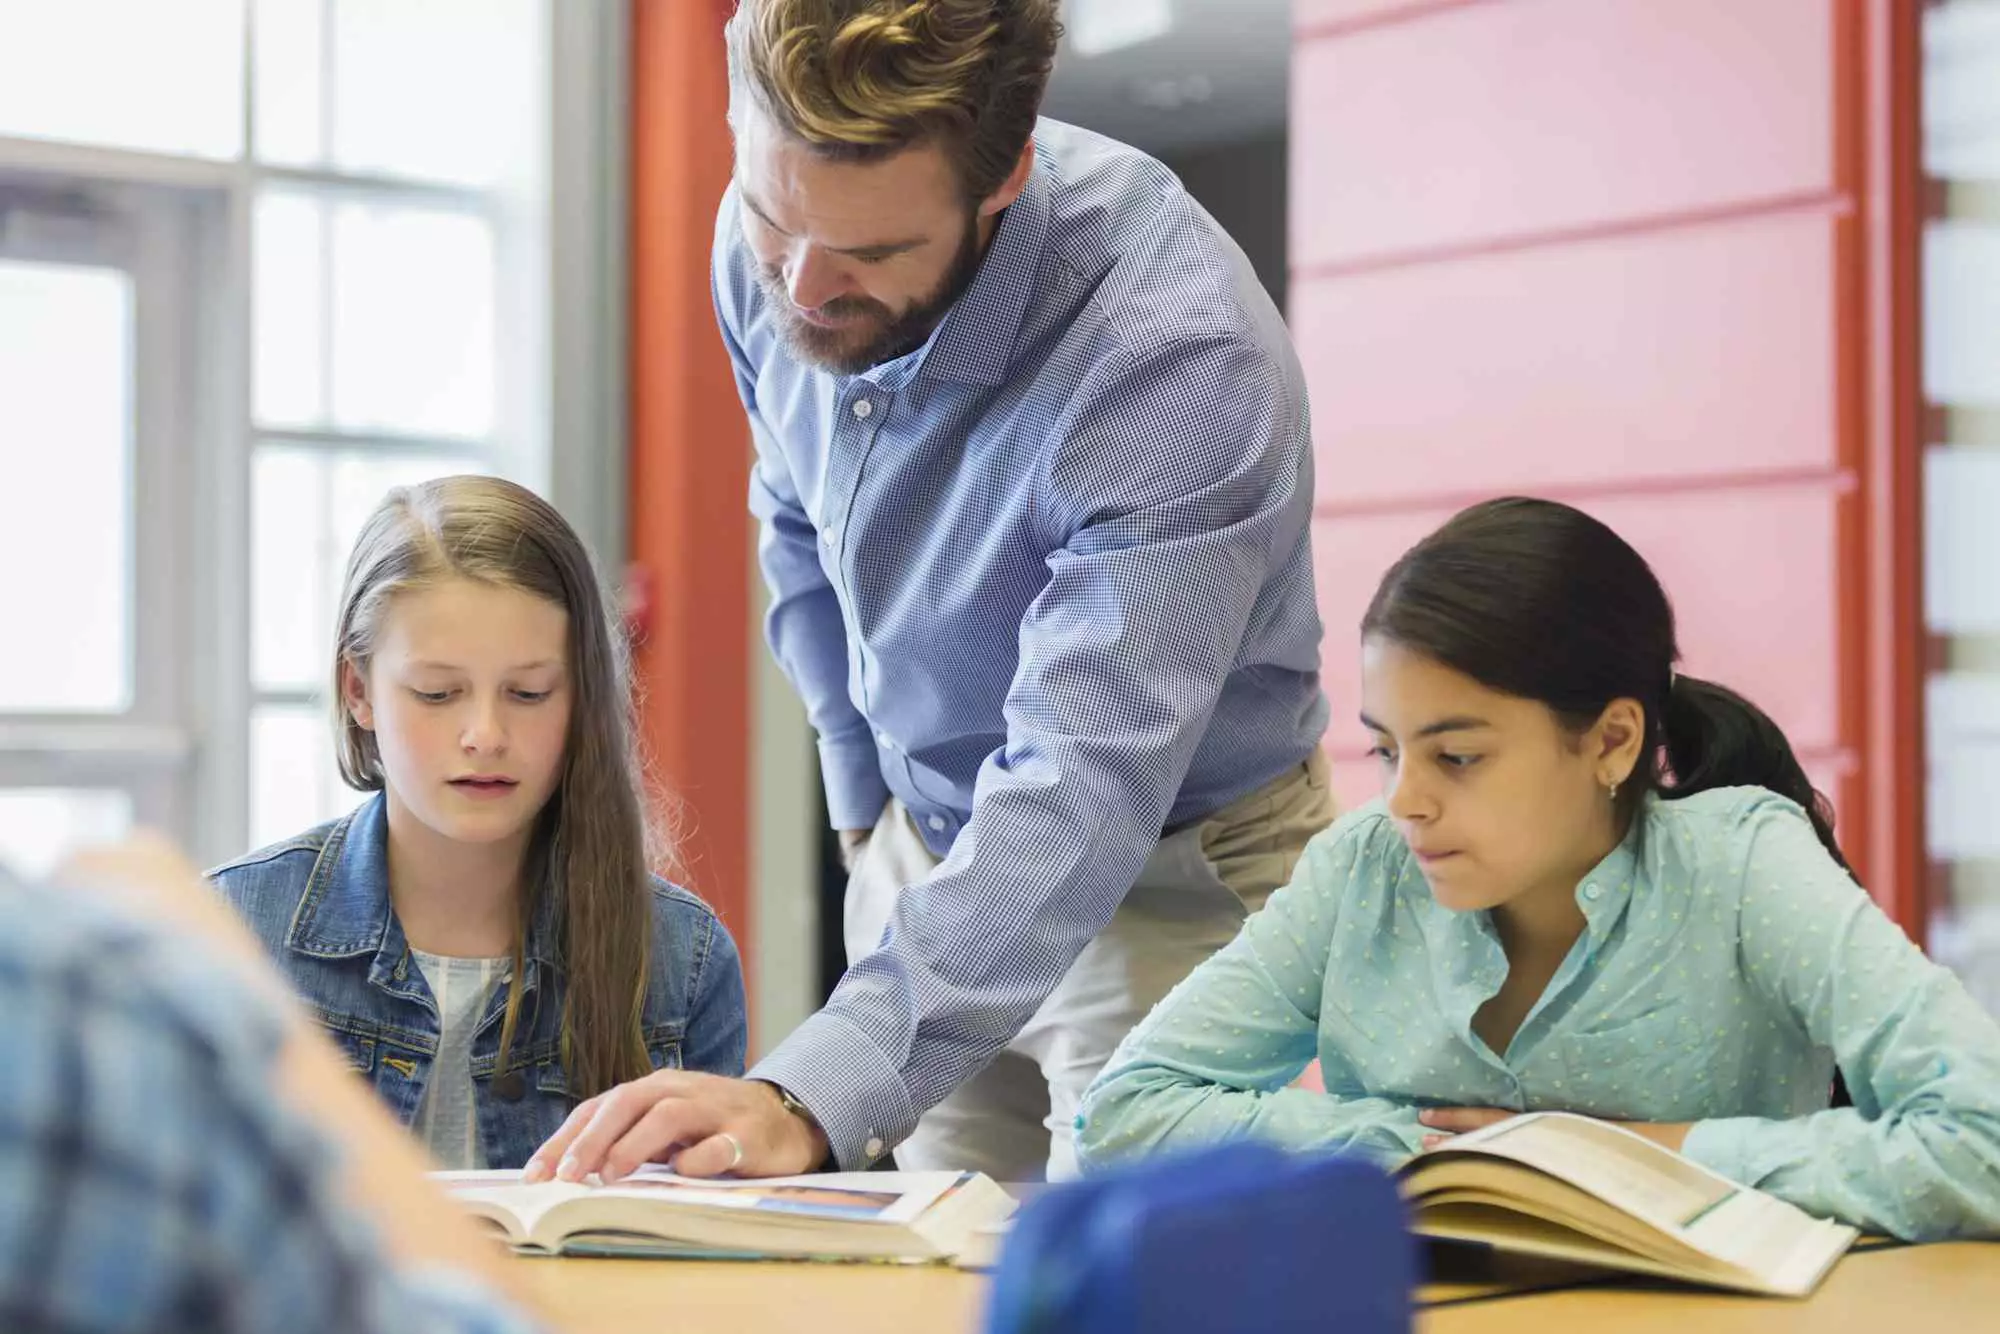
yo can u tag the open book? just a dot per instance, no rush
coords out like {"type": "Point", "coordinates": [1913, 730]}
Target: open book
{"type": "Point", "coordinates": [1570, 1188]}
{"type": "Point", "coordinates": [901, 1216]}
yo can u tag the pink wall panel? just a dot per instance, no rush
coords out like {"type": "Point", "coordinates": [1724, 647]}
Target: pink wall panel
{"type": "Point", "coordinates": [1509, 119]}
{"type": "Point", "coordinates": [1751, 572]}
{"type": "Point", "coordinates": [1704, 351]}
{"type": "Point", "coordinates": [1613, 251]}
{"type": "Point", "coordinates": [1311, 15]}
{"type": "Point", "coordinates": [1350, 556]}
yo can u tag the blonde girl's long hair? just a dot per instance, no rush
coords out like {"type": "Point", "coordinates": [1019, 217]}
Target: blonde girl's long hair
{"type": "Point", "coordinates": [588, 849]}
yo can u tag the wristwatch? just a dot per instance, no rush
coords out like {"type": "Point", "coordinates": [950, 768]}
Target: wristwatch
{"type": "Point", "coordinates": [792, 1104]}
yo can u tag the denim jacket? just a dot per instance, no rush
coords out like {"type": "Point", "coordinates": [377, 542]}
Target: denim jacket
{"type": "Point", "coordinates": [320, 903]}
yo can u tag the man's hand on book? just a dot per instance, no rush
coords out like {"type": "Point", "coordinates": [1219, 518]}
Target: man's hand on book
{"type": "Point", "coordinates": [704, 1125]}
{"type": "Point", "coordinates": [1444, 1122]}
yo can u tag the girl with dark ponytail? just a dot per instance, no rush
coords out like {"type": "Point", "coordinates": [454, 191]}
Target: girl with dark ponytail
{"type": "Point", "coordinates": [1591, 885]}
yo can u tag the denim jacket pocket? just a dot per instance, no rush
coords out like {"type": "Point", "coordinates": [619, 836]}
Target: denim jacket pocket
{"type": "Point", "coordinates": [663, 1046]}
{"type": "Point", "coordinates": [358, 1052]}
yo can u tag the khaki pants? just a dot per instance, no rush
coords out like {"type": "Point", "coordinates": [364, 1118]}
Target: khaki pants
{"type": "Point", "coordinates": [1014, 1120]}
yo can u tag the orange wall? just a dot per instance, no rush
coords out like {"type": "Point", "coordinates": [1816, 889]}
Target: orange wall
{"type": "Point", "coordinates": [690, 453]}
{"type": "Point", "coordinates": [1640, 257]}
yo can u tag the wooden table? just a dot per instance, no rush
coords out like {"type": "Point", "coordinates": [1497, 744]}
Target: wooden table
{"type": "Point", "coordinates": [703, 1297]}
{"type": "Point", "coordinates": [1899, 1290]}
{"type": "Point", "coordinates": [1886, 1291]}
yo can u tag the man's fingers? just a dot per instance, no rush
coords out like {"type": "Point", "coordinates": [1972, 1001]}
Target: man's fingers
{"type": "Point", "coordinates": [618, 1111]}
{"type": "Point", "coordinates": [683, 1117]}
{"type": "Point", "coordinates": [542, 1166]}
{"type": "Point", "coordinates": [670, 1123]}
{"type": "Point", "coordinates": [712, 1157]}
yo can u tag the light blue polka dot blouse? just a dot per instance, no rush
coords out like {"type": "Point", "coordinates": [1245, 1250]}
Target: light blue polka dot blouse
{"type": "Point", "coordinates": [1728, 962]}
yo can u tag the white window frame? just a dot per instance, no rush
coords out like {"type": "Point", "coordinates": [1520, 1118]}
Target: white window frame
{"type": "Point", "coordinates": [183, 750]}
{"type": "Point", "coordinates": [150, 231]}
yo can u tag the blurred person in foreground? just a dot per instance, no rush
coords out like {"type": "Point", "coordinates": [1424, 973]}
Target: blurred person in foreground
{"type": "Point", "coordinates": [181, 1150]}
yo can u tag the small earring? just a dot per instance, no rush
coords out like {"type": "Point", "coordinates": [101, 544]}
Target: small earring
{"type": "Point", "coordinates": [1613, 788]}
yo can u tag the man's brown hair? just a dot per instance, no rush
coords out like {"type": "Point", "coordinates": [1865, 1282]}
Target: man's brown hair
{"type": "Point", "coordinates": [861, 80]}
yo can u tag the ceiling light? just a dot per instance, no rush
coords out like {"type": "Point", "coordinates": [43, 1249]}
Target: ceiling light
{"type": "Point", "coordinates": [1100, 26]}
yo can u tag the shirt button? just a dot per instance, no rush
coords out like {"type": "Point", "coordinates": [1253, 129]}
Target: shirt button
{"type": "Point", "coordinates": [936, 822]}
{"type": "Point", "coordinates": [510, 1086]}
{"type": "Point", "coordinates": [1593, 893]}
{"type": "Point", "coordinates": [862, 408]}
{"type": "Point", "coordinates": [887, 742]}
{"type": "Point", "coordinates": [832, 536]}
{"type": "Point", "coordinates": [873, 1148]}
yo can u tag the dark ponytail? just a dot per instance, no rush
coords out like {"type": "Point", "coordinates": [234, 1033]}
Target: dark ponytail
{"type": "Point", "coordinates": [1716, 738]}
{"type": "Point", "coordinates": [1540, 601]}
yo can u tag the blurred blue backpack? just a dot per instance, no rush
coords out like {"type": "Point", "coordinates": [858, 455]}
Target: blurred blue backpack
{"type": "Point", "coordinates": [1239, 1237]}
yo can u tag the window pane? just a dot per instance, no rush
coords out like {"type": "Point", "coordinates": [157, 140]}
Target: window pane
{"type": "Point", "coordinates": [65, 516]}
{"type": "Point", "coordinates": [290, 541]}
{"type": "Point", "coordinates": [294, 783]}
{"type": "Point", "coordinates": [164, 76]}
{"type": "Point", "coordinates": [442, 90]}
{"type": "Point", "coordinates": [1962, 311]}
{"type": "Point", "coordinates": [1961, 94]}
{"type": "Point", "coordinates": [1961, 541]}
{"type": "Point", "coordinates": [39, 826]}
{"type": "Point", "coordinates": [413, 321]}
{"type": "Point", "coordinates": [290, 126]}
{"type": "Point", "coordinates": [446, 89]}
{"type": "Point", "coordinates": [308, 506]}
{"type": "Point", "coordinates": [409, 344]}
{"type": "Point", "coordinates": [1961, 328]}
{"type": "Point", "coordinates": [289, 296]}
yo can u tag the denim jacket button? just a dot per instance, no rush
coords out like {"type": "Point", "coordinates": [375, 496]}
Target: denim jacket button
{"type": "Point", "coordinates": [510, 1086]}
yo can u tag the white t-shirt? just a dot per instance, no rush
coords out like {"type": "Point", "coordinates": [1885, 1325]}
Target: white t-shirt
{"type": "Point", "coordinates": [445, 1119]}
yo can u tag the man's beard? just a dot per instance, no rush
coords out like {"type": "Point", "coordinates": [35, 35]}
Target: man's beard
{"type": "Point", "coordinates": [894, 335]}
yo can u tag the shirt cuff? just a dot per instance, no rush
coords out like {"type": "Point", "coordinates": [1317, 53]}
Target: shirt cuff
{"type": "Point", "coordinates": [855, 792]}
{"type": "Point", "coordinates": [853, 1090]}
{"type": "Point", "coordinates": [1724, 1146]}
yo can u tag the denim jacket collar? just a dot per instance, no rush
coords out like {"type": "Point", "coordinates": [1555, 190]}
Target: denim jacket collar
{"type": "Point", "coordinates": [345, 910]}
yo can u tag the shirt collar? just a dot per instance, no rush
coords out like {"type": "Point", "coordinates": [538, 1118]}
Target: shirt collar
{"type": "Point", "coordinates": [974, 342]}
{"type": "Point", "coordinates": [345, 911]}
{"type": "Point", "coordinates": [1604, 893]}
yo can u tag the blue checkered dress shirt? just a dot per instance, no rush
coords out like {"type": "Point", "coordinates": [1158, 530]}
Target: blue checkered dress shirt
{"type": "Point", "coordinates": [1047, 580]}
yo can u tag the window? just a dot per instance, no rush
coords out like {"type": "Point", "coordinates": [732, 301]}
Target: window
{"type": "Point", "coordinates": [171, 81]}
{"type": "Point", "coordinates": [437, 91]}
{"type": "Point", "coordinates": [37, 825]}
{"type": "Point", "coordinates": [261, 260]}
{"type": "Point", "coordinates": [66, 394]}
{"type": "Point", "coordinates": [94, 720]}
{"type": "Point", "coordinates": [400, 141]}
{"type": "Point", "coordinates": [1961, 298]}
